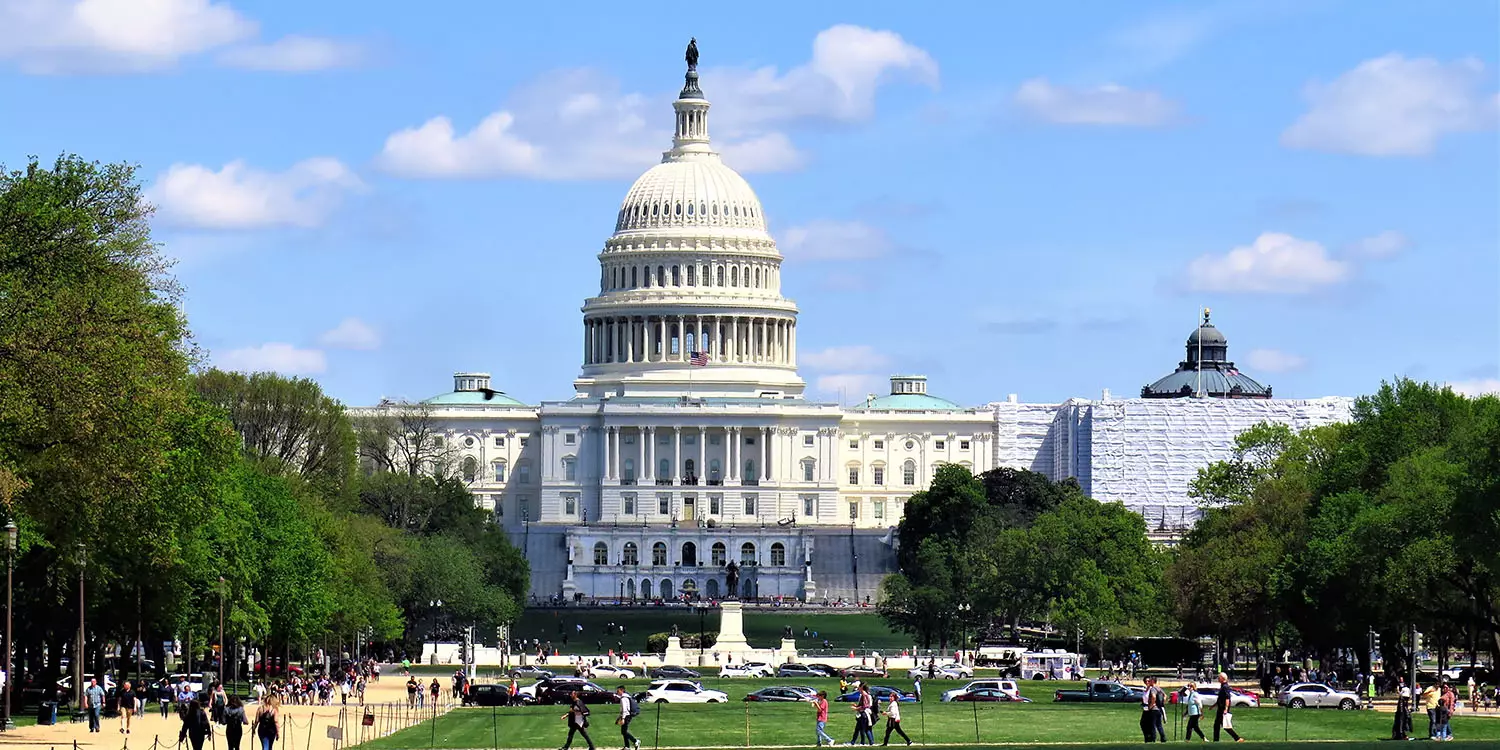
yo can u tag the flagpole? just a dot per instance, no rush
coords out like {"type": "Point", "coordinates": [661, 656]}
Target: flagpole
{"type": "Point", "coordinates": [1202, 313]}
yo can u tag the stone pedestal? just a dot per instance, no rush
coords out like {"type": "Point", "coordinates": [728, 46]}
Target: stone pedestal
{"type": "Point", "coordinates": [731, 629]}
{"type": "Point", "coordinates": [674, 655]}
{"type": "Point", "coordinates": [788, 652]}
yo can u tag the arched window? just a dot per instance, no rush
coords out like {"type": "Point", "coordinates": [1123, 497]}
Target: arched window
{"type": "Point", "coordinates": [778, 554]}
{"type": "Point", "coordinates": [909, 473]}
{"type": "Point", "coordinates": [757, 276]}
{"type": "Point", "coordinates": [689, 553]}
{"type": "Point", "coordinates": [853, 473]}
{"type": "Point", "coordinates": [676, 276]}
{"type": "Point", "coordinates": [570, 468]}
{"type": "Point", "coordinates": [646, 588]}
{"type": "Point", "coordinates": [655, 209]}
{"type": "Point", "coordinates": [734, 276]}
{"type": "Point", "coordinates": [629, 471]}
{"type": "Point", "coordinates": [692, 277]}
{"type": "Point", "coordinates": [664, 469]}
{"type": "Point", "coordinates": [679, 213]}
{"type": "Point", "coordinates": [716, 209]}
{"type": "Point", "coordinates": [716, 555]}
{"type": "Point", "coordinates": [747, 554]}
{"type": "Point", "coordinates": [690, 209]}
{"type": "Point", "coordinates": [659, 553]}
{"type": "Point", "coordinates": [601, 554]}
{"type": "Point", "coordinates": [720, 274]}
{"type": "Point", "coordinates": [499, 467]}
{"type": "Point", "coordinates": [630, 555]}
{"type": "Point", "coordinates": [661, 275]}
{"type": "Point", "coordinates": [666, 588]}
{"type": "Point", "coordinates": [632, 277]}
{"type": "Point", "coordinates": [711, 590]}
{"type": "Point", "coordinates": [470, 469]}
{"type": "Point", "coordinates": [689, 469]}
{"type": "Point", "coordinates": [809, 469]}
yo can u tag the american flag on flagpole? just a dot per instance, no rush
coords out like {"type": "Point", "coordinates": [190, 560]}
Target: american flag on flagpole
{"type": "Point", "coordinates": [698, 359]}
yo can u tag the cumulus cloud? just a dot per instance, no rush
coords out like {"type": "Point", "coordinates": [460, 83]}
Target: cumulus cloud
{"type": "Point", "coordinates": [1476, 387]}
{"type": "Point", "coordinates": [1394, 106]}
{"type": "Point", "coordinates": [850, 387]}
{"type": "Point", "coordinates": [239, 196]}
{"type": "Point", "coordinates": [351, 333]}
{"type": "Point", "coordinates": [1380, 246]}
{"type": "Point", "coordinates": [295, 53]}
{"type": "Point", "coordinates": [1273, 360]}
{"type": "Point", "coordinates": [853, 357]}
{"type": "Point", "coordinates": [827, 239]}
{"type": "Point", "coordinates": [274, 357]}
{"type": "Point", "coordinates": [1274, 263]}
{"type": "Point", "coordinates": [1109, 104]}
{"type": "Point", "coordinates": [597, 131]}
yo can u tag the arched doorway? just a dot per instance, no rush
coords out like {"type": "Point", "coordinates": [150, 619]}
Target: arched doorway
{"type": "Point", "coordinates": [689, 554]}
{"type": "Point", "coordinates": [630, 589]}
{"type": "Point", "coordinates": [666, 588]}
{"type": "Point", "coordinates": [712, 589]}
{"type": "Point", "coordinates": [646, 589]}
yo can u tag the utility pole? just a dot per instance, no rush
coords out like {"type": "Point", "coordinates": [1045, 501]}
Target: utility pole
{"type": "Point", "coordinates": [78, 654]}
{"type": "Point", "coordinates": [1416, 646]}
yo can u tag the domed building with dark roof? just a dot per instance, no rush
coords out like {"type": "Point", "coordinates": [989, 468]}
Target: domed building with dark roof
{"type": "Point", "coordinates": [1206, 371]}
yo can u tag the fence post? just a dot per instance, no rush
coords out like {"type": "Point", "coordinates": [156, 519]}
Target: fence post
{"type": "Point", "coordinates": [658, 725]}
{"type": "Point", "coordinates": [975, 704]}
{"type": "Point", "coordinates": [494, 727]}
{"type": "Point", "coordinates": [747, 725]}
{"type": "Point", "coordinates": [922, 716]}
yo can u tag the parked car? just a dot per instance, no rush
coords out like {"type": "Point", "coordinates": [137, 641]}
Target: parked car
{"type": "Point", "coordinates": [487, 695]}
{"type": "Point", "coordinates": [777, 695]}
{"type": "Point", "coordinates": [988, 695]}
{"type": "Point", "coordinates": [108, 683]}
{"type": "Point", "coordinates": [561, 693]}
{"type": "Point", "coordinates": [828, 670]}
{"type": "Point", "coordinates": [798, 670]}
{"type": "Point", "coordinates": [1210, 697]}
{"type": "Point", "coordinates": [673, 673]}
{"type": "Point", "coordinates": [531, 693]}
{"type": "Point", "coordinates": [807, 690]}
{"type": "Point", "coordinates": [1009, 687]}
{"type": "Point", "coordinates": [881, 694]}
{"type": "Point", "coordinates": [745, 670]}
{"type": "Point", "coordinates": [613, 672]}
{"type": "Point", "coordinates": [1099, 691]}
{"type": "Point", "coordinates": [532, 671]}
{"type": "Point", "coordinates": [680, 691]}
{"type": "Point", "coordinates": [861, 671]}
{"type": "Point", "coordinates": [1314, 695]}
{"type": "Point", "coordinates": [953, 671]}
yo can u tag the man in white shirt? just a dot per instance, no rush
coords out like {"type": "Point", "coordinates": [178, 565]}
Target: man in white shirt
{"type": "Point", "coordinates": [629, 708]}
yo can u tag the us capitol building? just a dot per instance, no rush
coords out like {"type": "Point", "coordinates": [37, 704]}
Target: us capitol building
{"type": "Point", "coordinates": [690, 444]}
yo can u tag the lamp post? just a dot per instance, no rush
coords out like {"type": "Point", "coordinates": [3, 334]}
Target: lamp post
{"type": "Point", "coordinates": [10, 560]}
{"type": "Point", "coordinates": [963, 614]}
{"type": "Point", "coordinates": [702, 610]}
{"type": "Point", "coordinates": [78, 653]}
{"type": "Point", "coordinates": [222, 650]}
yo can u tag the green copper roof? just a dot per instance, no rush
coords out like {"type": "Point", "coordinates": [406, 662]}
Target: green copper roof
{"type": "Point", "coordinates": [476, 398]}
{"type": "Point", "coordinates": [907, 402]}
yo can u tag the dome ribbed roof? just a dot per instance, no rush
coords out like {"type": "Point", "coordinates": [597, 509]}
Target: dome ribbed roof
{"type": "Point", "coordinates": [1207, 335]}
{"type": "Point", "coordinates": [691, 193]}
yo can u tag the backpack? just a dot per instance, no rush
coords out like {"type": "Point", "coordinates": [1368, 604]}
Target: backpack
{"type": "Point", "coordinates": [635, 706]}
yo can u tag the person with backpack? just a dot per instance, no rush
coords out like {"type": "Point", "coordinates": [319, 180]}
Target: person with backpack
{"type": "Point", "coordinates": [234, 722]}
{"type": "Point", "coordinates": [578, 722]}
{"type": "Point", "coordinates": [195, 725]}
{"type": "Point", "coordinates": [268, 721]}
{"type": "Point", "coordinates": [629, 709]}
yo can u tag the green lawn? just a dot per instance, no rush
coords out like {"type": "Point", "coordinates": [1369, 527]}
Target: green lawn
{"type": "Point", "coordinates": [742, 724]}
{"type": "Point", "coordinates": [763, 628]}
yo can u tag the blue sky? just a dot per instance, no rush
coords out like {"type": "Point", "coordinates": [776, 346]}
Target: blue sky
{"type": "Point", "coordinates": [1012, 198]}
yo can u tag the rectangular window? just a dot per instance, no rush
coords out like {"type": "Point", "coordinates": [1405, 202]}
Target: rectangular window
{"type": "Point", "coordinates": [963, 445]}
{"type": "Point", "coordinates": [523, 474]}
{"type": "Point", "coordinates": [499, 471]}
{"type": "Point", "coordinates": [437, 441]}
{"type": "Point", "coordinates": [524, 503]}
{"type": "Point", "coordinates": [689, 439]}
{"type": "Point", "coordinates": [499, 442]}
{"type": "Point", "coordinates": [570, 470]}
{"type": "Point", "coordinates": [853, 475]}
{"type": "Point", "coordinates": [880, 445]}
{"type": "Point", "coordinates": [879, 509]}
{"type": "Point", "coordinates": [665, 439]}
{"type": "Point", "coordinates": [939, 445]}
{"type": "Point", "coordinates": [854, 445]}
{"type": "Point", "coordinates": [879, 473]}
{"type": "Point", "coordinates": [749, 505]}
{"type": "Point", "coordinates": [628, 438]}
{"type": "Point", "coordinates": [809, 505]}
{"type": "Point", "coordinates": [570, 505]}
{"type": "Point", "coordinates": [853, 510]}
{"type": "Point", "coordinates": [749, 441]}
{"type": "Point", "coordinates": [713, 439]}
{"type": "Point", "coordinates": [569, 438]}
{"type": "Point", "coordinates": [714, 503]}
{"type": "Point", "coordinates": [808, 468]}
{"type": "Point", "coordinates": [498, 501]}
{"type": "Point", "coordinates": [523, 442]}
{"type": "Point", "coordinates": [664, 503]}
{"type": "Point", "coordinates": [807, 441]}
{"type": "Point", "coordinates": [628, 501]}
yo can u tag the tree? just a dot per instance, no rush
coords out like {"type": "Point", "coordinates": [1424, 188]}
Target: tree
{"type": "Point", "coordinates": [408, 439]}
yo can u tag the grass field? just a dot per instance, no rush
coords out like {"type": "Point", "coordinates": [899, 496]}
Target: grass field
{"type": "Point", "coordinates": [763, 628]}
{"type": "Point", "coordinates": [739, 724]}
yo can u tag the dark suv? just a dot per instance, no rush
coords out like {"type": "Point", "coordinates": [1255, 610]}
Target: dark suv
{"type": "Point", "coordinates": [562, 694]}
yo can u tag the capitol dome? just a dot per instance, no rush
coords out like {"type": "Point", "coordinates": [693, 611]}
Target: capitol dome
{"type": "Point", "coordinates": [690, 193]}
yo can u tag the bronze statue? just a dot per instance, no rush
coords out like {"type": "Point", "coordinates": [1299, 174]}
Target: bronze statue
{"type": "Point", "coordinates": [692, 54]}
{"type": "Point", "coordinates": [732, 578]}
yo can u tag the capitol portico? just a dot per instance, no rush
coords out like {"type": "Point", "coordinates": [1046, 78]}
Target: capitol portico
{"type": "Point", "coordinates": [689, 442]}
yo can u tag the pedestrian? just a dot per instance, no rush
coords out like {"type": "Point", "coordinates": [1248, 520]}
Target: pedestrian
{"type": "Point", "coordinates": [864, 707]}
{"type": "Point", "coordinates": [195, 725]}
{"type": "Point", "coordinates": [93, 703]}
{"type": "Point", "coordinates": [820, 707]}
{"type": "Point", "coordinates": [629, 709]}
{"type": "Point", "coordinates": [1193, 704]}
{"type": "Point", "coordinates": [435, 688]}
{"type": "Point", "coordinates": [412, 689]}
{"type": "Point", "coordinates": [1447, 702]}
{"type": "Point", "coordinates": [578, 722]}
{"type": "Point", "coordinates": [916, 686]}
{"type": "Point", "coordinates": [268, 722]}
{"type": "Point", "coordinates": [1148, 712]}
{"type": "Point", "coordinates": [1159, 709]}
{"type": "Point", "coordinates": [234, 722]}
{"type": "Point", "coordinates": [1223, 719]}
{"type": "Point", "coordinates": [219, 700]}
{"type": "Point", "coordinates": [1429, 696]}
{"type": "Point", "coordinates": [893, 720]}
{"type": "Point", "coordinates": [1401, 725]}
{"type": "Point", "coordinates": [164, 697]}
{"type": "Point", "coordinates": [127, 706]}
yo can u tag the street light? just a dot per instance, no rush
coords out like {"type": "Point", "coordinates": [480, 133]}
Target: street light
{"type": "Point", "coordinates": [10, 558]}
{"type": "Point", "coordinates": [963, 610]}
{"type": "Point", "coordinates": [222, 650]}
{"type": "Point", "coordinates": [83, 560]}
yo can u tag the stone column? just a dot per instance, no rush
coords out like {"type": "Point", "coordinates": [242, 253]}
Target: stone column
{"type": "Point", "coordinates": [702, 467]}
{"type": "Point", "coordinates": [640, 434]}
{"type": "Point", "coordinates": [648, 451]}
{"type": "Point", "coordinates": [661, 339]}
{"type": "Point", "coordinates": [765, 455]}
{"type": "Point", "coordinates": [677, 454]}
{"type": "Point", "coordinates": [604, 453]}
{"type": "Point", "coordinates": [731, 445]}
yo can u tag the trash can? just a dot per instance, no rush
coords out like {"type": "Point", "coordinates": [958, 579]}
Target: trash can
{"type": "Point", "coordinates": [46, 713]}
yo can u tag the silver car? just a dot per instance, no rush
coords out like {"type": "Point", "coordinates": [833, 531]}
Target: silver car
{"type": "Point", "coordinates": [1314, 695]}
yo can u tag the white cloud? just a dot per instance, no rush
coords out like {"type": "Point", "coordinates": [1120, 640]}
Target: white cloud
{"type": "Point", "coordinates": [1273, 360]}
{"type": "Point", "coordinates": [827, 239]}
{"type": "Point", "coordinates": [274, 357]}
{"type": "Point", "coordinates": [241, 197]}
{"type": "Point", "coordinates": [1394, 106]}
{"type": "Point", "coordinates": [1384, 245]}
{"type": "Point", "coordinates": [1476, 387]}
{"type": "Point", "coordinates": [597, 131]}
{"type": "Point", "coordinates": [351, 333]}
{"type": "Point", "coordinates": [1274, 264]}
{"type": "Point", "coordinates": [45, 36]}
{"type": "Point", "coordinates": [854, 357]}
{"type": "Point", "coordinates": [295, 53]}
{"type": "Point", "coordinates": [1109, 104]}
{"type": "Point", "coordinates": [850, 387]}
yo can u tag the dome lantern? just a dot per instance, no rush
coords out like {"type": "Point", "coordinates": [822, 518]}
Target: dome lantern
{"type": "Point", "coordinates": [1206, 370]}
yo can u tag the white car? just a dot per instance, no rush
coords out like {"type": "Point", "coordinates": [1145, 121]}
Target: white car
{"type": "Point", "coordinates": [745, 670]}
{"type": "Point", "coordinates": [1313, 695]}
{"type": "Point", "coordinates": [1209, 697]}
{"type": "Point", "coordinates": [949, 671]}
{"type": "Point", "coordinates": [1009, 687]}
{"type": "Point", "coordinates": [681, 691]}
{"type": "Point", "coordinates": [108, 683]}
{"type": "Point", "coordinates": [611, 671]}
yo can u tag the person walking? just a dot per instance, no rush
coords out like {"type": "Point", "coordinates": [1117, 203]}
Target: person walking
{"type": "Point", "coordinates": [435, 688]}
{"type": "Point", "coordinates": [629, 709]}
{"type": "Point", "coordinates": [578, 722]}
{"type": "Point", "coordinates": [93, 703]}
{"type": "Point", "coordinates": [268, 721]}
{"type": "Point", "coordinates": [164, 697]}
{"type": "Point", "coordinates": [1447, 703]}
{"type": "Point", "coordinates": [195, 725]}
{"type": "Point", "coordinates": [234, 722]}
{"type": "Point", "coordinates": [820, 707]}
{"type": "Point", "coordinates": [127, 706]}
{"type": "Point", "coordinates": [1159, 709]}
{"type": "Point", "coordinates": [1429, 696]}
{"type": "Point", "coordinates": [218, 700]}
{"type": "Point", "coordinates": [1401, 724]}
{"type": "Point", "coordinates": [863, 705]}
{"type": "Point", "coordinates": [893, 720]}
{"type": "Point", "coordinates": [916, 686]}
{"type": "Point", "coordinates": [412, 688]}
{"type": "Point", "coordinates": [1193, 704]}
{"type": "Point", "coordinates": [1148, 712]}
{"type": "Point", "coordinates": [1223, 719]}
